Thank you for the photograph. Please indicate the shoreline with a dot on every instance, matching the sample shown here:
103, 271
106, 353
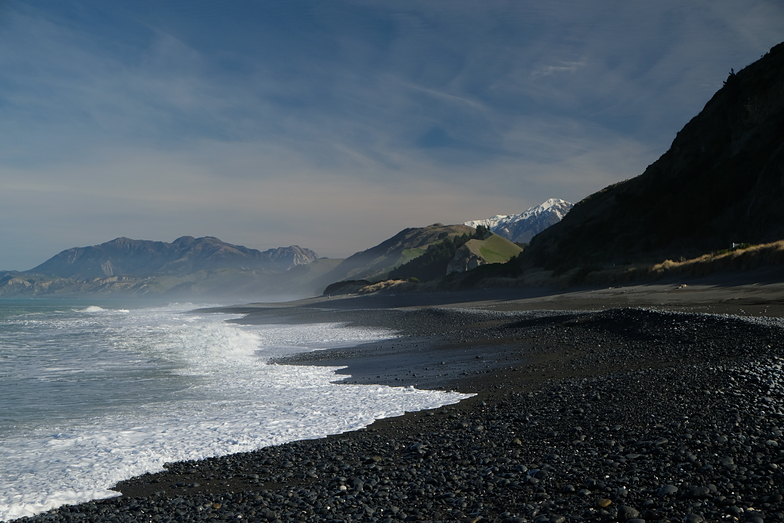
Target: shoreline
579, 416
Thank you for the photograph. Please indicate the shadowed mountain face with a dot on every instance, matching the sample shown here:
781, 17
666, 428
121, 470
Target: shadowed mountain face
722, 181
126, 257
376, 262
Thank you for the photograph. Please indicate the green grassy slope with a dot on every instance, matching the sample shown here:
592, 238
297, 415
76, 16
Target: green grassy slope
494, 249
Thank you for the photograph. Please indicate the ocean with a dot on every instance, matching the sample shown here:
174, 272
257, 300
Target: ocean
91, 394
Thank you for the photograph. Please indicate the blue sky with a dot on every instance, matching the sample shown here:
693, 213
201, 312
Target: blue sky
335, 124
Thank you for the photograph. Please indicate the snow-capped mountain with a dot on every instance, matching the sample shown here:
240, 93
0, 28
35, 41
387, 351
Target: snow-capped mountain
522, 227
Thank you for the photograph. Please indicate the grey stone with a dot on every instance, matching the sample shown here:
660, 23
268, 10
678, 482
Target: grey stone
625, 513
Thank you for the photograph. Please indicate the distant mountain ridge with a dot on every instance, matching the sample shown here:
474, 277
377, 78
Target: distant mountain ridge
520, 228
185, 255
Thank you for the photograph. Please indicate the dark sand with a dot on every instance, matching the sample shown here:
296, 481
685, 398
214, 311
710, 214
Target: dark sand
588, 403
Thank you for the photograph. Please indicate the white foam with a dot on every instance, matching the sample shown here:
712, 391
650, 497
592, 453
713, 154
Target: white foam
93, 308
231, 401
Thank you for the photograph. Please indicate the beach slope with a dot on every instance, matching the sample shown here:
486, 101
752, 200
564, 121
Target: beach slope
589, 406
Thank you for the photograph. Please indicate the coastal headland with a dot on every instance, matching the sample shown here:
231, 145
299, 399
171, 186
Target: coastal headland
643, 403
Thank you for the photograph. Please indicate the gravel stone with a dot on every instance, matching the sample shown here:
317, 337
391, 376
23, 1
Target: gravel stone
618, 415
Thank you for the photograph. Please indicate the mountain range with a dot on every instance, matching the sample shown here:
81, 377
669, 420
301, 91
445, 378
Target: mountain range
520, 228
720, 184
185, 267
208, 266
185, 255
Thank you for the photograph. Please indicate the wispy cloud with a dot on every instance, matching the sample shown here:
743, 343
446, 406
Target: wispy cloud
440, 95
563, 66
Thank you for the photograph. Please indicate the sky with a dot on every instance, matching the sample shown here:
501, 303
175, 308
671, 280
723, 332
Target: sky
334, 124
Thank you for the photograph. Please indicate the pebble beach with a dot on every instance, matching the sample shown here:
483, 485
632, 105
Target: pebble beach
607, 410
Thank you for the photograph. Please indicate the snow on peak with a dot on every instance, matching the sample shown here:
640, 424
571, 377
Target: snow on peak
524, 226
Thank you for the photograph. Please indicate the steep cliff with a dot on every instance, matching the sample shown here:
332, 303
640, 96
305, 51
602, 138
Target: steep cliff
721, 181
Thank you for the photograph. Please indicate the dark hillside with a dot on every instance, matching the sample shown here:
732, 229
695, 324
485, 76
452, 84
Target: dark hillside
375, 263
433, 264
721, 181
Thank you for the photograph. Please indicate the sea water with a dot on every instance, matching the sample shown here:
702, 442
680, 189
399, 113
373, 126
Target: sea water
91, 395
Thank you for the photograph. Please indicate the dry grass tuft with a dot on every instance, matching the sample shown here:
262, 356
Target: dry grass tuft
741, 259
736, 260
388, 285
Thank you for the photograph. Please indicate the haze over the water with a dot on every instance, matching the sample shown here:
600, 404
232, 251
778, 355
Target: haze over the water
333, 125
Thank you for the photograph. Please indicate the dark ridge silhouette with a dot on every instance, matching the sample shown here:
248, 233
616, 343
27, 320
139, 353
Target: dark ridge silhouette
721, 182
